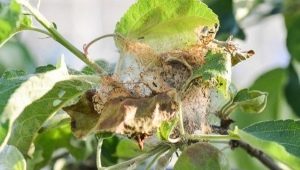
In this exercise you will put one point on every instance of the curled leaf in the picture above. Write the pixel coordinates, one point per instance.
(252, 101)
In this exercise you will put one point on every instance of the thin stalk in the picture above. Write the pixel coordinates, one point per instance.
(181, 125)
(137, 160)
(98, 153)
(60, 39)
(211, 137)
(87, 46)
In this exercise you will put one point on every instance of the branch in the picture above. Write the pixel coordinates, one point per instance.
(60, 39)
(258, 154)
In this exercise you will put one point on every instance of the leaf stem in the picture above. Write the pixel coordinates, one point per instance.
(131, 164)
(60, 39)
(98, 153)
(87, 46)
(181, 125)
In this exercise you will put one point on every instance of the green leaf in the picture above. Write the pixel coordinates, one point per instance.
(13, 74)
(292, 22)
(109, 148)
(251, 101)
(11, 159)
(127, 149)
(284, 132)
(166, 128)
(278, 139)
(165, 25)
(216, 70)
(201, 156)
(292, 89)
(43, 69)
(51, 140)
(34, 115)
(11, 19)
(26, 90)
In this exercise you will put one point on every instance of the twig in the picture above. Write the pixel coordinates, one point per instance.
(258, 154)
(87, 46)
(60, 39)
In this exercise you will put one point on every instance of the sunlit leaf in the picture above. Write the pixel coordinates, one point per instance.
(11, 19)
(18, 93)
(36, 113)
(165, 25)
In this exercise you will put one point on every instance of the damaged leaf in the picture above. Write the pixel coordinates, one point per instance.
(122, 115)
(84, 117)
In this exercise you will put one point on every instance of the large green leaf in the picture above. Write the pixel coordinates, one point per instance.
(201, 156)
(278, 139)
(18, 93)
(284, 132)
(11, 19)
(34, 115)
(11, 159)
(166, 24)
